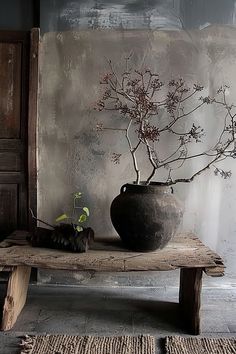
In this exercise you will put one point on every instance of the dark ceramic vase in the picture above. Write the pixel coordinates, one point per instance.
(146, 217)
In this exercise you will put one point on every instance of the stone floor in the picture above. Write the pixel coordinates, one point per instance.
(117, 311)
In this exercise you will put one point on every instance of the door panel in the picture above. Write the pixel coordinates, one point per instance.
(10, 89)
(14, 91)
(10, 161)
(8, 207)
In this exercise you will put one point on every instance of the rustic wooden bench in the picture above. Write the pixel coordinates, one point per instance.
(185, 252)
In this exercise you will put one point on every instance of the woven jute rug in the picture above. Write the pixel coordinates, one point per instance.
(181, 345)
(67, 344)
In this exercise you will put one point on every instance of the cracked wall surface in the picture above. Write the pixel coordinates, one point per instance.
(170, 37)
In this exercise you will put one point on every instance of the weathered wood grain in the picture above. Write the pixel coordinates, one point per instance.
(6, 269)
(14, 82)
(190, 298)
(214, 272)
(185, 251)
(18, 237)
(10, 88)
(16, 296)
(8, 207)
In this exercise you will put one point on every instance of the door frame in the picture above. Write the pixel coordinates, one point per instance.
(32, 125)
(30, 41)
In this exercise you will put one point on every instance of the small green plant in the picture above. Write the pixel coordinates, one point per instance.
(76, 220)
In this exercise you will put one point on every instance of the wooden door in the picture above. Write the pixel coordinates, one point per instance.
(14, 93)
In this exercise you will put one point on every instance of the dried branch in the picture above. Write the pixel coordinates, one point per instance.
(167, 127)
(133, 151)
(138, 97)
(35, 218)
(188, 180)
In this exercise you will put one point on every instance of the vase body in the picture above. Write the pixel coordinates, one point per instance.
(146, 217)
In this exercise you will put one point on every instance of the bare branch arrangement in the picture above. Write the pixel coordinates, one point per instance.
(141, 99)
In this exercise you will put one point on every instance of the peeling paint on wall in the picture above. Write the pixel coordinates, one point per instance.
(63, 15)
(124, 14)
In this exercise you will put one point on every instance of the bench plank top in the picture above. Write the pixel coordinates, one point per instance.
(108, 254)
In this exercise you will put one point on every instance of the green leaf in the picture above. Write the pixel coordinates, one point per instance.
(82, 218)
(86, 210)
(61, 217)
(79, 228)
(77, 195)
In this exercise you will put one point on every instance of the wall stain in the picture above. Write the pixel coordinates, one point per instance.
(64, 15)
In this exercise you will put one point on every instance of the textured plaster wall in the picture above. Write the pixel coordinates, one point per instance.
(62, 15)
(72, 156)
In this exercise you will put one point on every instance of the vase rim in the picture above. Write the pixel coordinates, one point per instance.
(153, 187)
(151, 184)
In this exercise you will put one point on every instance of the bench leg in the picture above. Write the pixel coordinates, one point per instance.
(14, 302)
(190, 297)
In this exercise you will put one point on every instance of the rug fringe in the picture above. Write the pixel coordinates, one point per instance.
(28, 344)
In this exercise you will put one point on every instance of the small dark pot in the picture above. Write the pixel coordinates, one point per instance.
(146, 217)
(63, 237)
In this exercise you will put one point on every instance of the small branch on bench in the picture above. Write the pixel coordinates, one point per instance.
(34, 217)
